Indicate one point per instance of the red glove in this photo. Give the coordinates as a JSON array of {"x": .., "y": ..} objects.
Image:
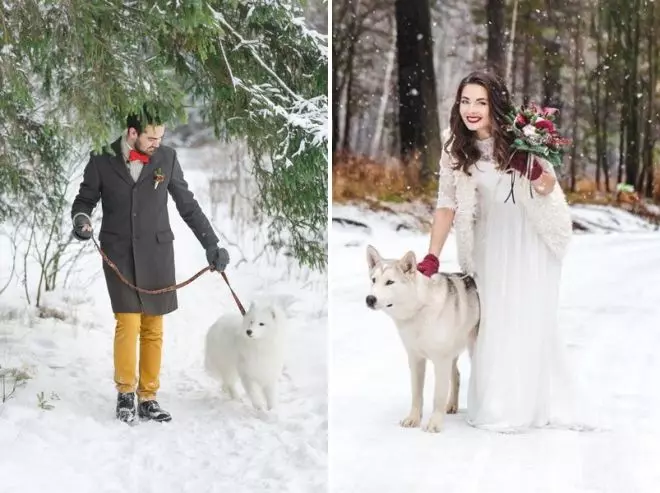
[
  {"x": 519, "y": 163},
  {"x": 429, "y": 265}
]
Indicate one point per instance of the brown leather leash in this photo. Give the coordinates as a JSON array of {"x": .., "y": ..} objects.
[{"x": 112, "y": 265}]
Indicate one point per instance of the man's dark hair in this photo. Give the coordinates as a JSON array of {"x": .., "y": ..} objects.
[{"x": 148, "y": 116}]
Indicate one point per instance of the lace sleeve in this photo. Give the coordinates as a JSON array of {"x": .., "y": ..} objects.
[{"x": 446, "y": 186}]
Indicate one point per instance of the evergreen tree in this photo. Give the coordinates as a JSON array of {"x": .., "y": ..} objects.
[{"x": 71, "y": 72}]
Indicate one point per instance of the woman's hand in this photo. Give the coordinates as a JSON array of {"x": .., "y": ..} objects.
[
  {"x": 429, "y": 265},
  {"x": 544, "y": 184},
  {"x": 542, "y": 181},
  {"x": 518, "y": 162}
]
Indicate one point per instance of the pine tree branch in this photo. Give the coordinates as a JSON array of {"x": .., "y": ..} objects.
[
  {"x": 231, "y": 75},
  {"x": 219, "y": 17}
]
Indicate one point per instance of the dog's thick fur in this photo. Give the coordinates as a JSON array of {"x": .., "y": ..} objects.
[
  {"x": 249, "y": 348},
  {"x": 437, "y": 318}
]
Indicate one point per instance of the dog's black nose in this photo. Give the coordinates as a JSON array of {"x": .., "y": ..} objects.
[
  {"x": 249, "y": 332},
  {"x": 371, "y": 301}
]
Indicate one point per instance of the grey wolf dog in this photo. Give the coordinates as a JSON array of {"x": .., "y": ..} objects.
[
  {"x": 437, "y": 318},
  {"x": 250, "y": 349}
]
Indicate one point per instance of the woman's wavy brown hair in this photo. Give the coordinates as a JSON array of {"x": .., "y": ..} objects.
[{"x": 461, "y": 143}]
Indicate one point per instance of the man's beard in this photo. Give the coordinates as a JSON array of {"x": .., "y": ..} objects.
[{"x": 143, "y": 151}]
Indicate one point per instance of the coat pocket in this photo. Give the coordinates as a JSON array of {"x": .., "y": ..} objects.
[
  {"x": 111, "y": 237},
  {"x": 165, "y": 236}
]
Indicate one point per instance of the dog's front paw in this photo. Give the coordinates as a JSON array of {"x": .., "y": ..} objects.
[
  {"x": 413, "y": 420},
  {"x": 452, "y": 408},
  {"x": 231, "y": 391},
  {"x": 271, "y": 397},
  {"x": 259, "y": 405},
  {"x": 435, "y": 423}
]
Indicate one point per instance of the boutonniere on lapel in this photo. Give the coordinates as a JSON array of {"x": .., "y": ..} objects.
[{"x": 159, "y": 177}]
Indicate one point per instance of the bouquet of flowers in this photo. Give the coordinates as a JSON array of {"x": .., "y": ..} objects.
[{"x": 534, "y": 132}]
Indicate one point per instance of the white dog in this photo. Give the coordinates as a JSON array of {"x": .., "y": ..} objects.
[
  {"x": 437, "y": 318},
  {"x": 249, "y": 348}
]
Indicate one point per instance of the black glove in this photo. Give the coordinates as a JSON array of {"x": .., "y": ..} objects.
[
  {"x": 218, "y": 257},
  {"x": 82, "y": 228}
]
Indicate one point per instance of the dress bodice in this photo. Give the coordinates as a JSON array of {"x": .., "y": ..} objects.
[
  {"x": 486, "y": 146},
  {"x": 486, "y": 173}
]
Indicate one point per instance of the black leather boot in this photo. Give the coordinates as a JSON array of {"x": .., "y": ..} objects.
[
  {"x": 126, "y": 407},
  {"x": 152, "y": 410}
]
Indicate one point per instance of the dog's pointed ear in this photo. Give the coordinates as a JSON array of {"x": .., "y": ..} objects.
[
  {"x": 373, "y": 257},
  {"x": 409, "y": 263}
]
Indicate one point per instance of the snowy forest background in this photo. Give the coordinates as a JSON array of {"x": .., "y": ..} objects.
[
  {"x": 396, "y": 67},
  {"x": 598, "y": 61},
  {"x": 243, "y": 88},
  {"x": 247, "y": 80}
]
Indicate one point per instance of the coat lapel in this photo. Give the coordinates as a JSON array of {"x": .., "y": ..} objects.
[
  {"x": 118, "y": 161},
  {"x": 148, "y": 170}
]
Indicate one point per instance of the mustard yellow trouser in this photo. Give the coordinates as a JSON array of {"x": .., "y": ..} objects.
[{"x": 150, "y": 330}]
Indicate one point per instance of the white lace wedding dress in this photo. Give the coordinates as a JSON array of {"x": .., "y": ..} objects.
[{"x": 518, "y": 377}]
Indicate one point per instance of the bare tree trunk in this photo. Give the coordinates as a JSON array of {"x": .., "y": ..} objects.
[
  {"x": 514, "y": 72},
  {"x": 622, "y": 136},
  {"x": 384, "y": 98},
  {"x": 625, "y": 101},
  {"x": 527, "y": 57},
  {"x": 552, "y": 72},
  {"x": 339, "y": 38},
  {"x": 576, "y": 101},
  {"x": 649, "y": 140},
  {"x": 26, "y": 284},
  {"x": 353, "y": 40},
  {"x": 418, "y": 107},
  {"x": 495, "y": 48},
  {"x": 604, "y": 144},
  {"x": 336, "y": 95},
  {"x": 603, "y": 158},
  {"x": 509, "y": 62},
  {"x": 551, "y": 78},
  {"x": 360, "y": 136},
  {"x": 348, "y": 105},
  {"x": 632, "y": 154},
  {"x": 601, "y": 133},
  {"x": 656, "y": 79}
]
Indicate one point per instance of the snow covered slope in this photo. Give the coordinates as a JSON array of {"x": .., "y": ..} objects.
[
  {"x": 211, "y": 445},
  {"x": 609, "y": 312}
]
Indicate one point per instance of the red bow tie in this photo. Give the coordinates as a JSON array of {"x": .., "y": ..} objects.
[{"x": 138, "y": 156}]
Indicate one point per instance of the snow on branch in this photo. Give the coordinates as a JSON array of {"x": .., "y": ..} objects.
[{"x": 277, "y": 98}]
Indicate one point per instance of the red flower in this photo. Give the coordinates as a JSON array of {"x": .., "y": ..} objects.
[
  {"x": 545, "y": 125},
  {"x": 520, "y": 121}
]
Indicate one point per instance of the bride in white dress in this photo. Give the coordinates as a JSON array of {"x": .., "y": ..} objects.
[
  {"x": 517, "y": 373},
  {"x": 518, "y": 377}
]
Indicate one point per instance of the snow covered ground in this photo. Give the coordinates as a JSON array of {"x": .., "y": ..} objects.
[
  {"x": 212, "y": 444},
  {"x": 609, "y": 317}
]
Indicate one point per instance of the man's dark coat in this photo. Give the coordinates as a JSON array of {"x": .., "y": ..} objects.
[{"x": 135, "y": 231}]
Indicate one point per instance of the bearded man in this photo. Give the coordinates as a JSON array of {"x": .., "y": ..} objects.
[{"x": 132, "y": 178}]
